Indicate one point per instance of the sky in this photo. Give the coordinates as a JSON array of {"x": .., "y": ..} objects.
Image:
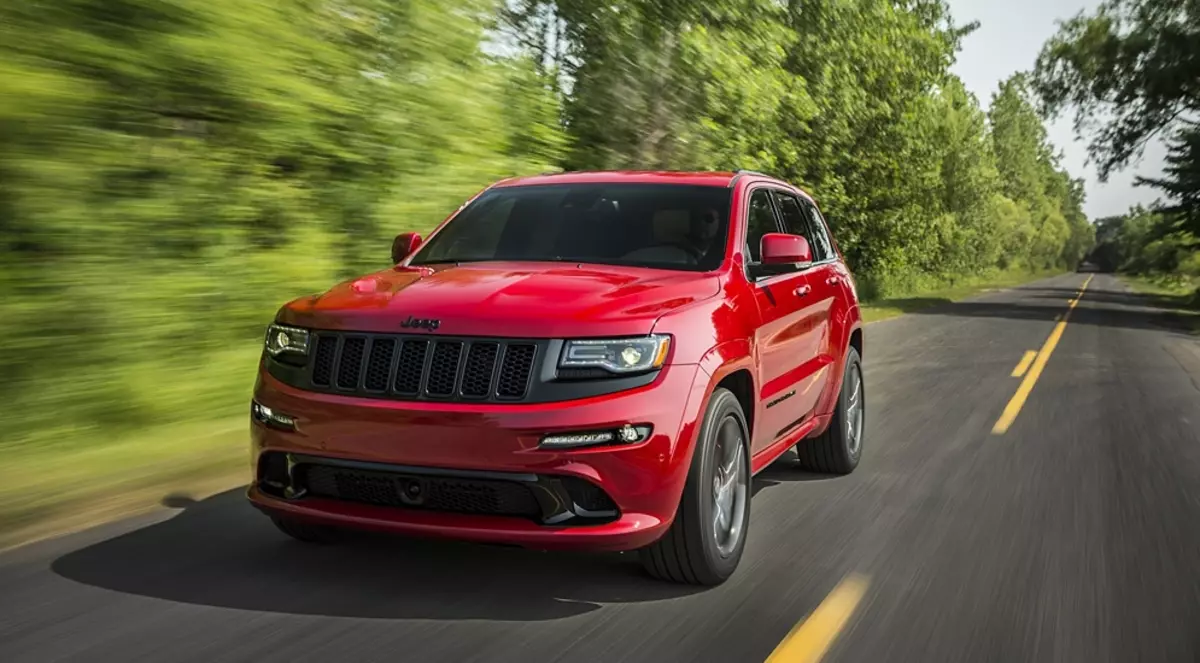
[{"x": 1010, "y": 35}]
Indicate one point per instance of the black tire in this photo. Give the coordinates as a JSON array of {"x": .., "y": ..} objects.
[
  {"x": 832, "y": 452},
  {"x": 690, "y": 551},
  {"x": 307, "y": 532}
]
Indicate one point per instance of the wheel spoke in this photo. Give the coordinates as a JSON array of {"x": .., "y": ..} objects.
[
  {"x": 854, "y": 411},
  {"x": 732, "y": 470},
  {"x": 720, "y": 522},
  {"x": 729, "y": 484}
]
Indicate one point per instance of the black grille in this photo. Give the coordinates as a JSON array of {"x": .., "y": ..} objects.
[
  {"x": 515, "y": 371},
  {"x": 323, "y": 360},
  {"x": 477, "y": 374},
  {"x": 474, "y": 496},
  {"x": 412, "y": 364},
  {"x": 408, "y": 368},
  {"x": 588, "y": 495},
  {"x": 351, "y": 364},
  {"x": 443, "y": 368},
  {"x": 379, "y": 364}
]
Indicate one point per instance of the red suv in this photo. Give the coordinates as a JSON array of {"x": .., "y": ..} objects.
[{"x": 578, "y": 360}]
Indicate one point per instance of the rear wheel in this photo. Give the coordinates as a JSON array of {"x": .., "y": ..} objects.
[
  {"x": 306, "y": 532},
  {"x": 838, "y": 449},
  {"x": 705, "y": 543}
]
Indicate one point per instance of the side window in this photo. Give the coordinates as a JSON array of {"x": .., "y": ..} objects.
[
  {"x": 760, "y": 220},
  {"x": 820, "y": 233},
  {"x": 794, "y": 221}
]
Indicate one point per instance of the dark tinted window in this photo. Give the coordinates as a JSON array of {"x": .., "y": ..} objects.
[
  {"x": 667, "y": 226},
  {"x": 822, "y": 246},
  {"x": 760, "y": 220},
  {"x": 794, "y": 220}
]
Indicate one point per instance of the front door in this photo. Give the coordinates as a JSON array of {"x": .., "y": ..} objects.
[
  {"x": 781, "y": 295},
  {"x": 813, "y": 347}
]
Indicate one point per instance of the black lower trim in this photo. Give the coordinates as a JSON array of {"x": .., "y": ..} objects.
[
  {"x": 302, "y": 459},
  {"x": 546, "y": 499}
]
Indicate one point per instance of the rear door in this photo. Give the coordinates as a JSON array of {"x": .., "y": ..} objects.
[
  {"x": 813, "y": 356},
  {"x": 780, "y": 293},
  {"x": 833, "y": 273}
]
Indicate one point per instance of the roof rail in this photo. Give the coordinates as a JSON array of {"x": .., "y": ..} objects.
[{"x": 737, "y": 175}]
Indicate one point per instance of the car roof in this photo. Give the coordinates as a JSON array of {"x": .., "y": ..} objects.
[{"x": 694, "y": 178}]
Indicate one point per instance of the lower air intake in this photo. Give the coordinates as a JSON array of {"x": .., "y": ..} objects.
[{"x": 447, "y": 494}]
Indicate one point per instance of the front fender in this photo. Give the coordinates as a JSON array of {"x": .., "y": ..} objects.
[{"x": 718, "y": 363}]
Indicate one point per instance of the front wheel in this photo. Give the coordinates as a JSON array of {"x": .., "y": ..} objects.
[
  {"x": 705, "y": 543},
  {"x": 838, "y": 449}
]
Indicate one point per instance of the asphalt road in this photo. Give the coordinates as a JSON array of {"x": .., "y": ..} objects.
[{"x": 1073, "y": 536}]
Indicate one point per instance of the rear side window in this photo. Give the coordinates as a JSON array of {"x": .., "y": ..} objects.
[
  {"x": 820, "y": 234},
  {"x": 794, "y": 220},
  {"x": 760, "y": 220}
]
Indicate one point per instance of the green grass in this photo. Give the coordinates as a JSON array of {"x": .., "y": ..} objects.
[
  {"x": 890, "y": 307},
  {"x": 50, "y": 490},
  {"x": 1176, "y": 293}
]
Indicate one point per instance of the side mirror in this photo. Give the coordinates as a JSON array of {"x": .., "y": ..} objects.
[
  {"x": 404, "y": 245},
  {"x": 782, "y": 248}
]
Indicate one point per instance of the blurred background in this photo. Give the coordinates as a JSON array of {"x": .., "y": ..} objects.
[{"x": 172, "y": 171}]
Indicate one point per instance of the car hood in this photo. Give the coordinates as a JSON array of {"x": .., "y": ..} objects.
[{"x": 520, "y": 300}]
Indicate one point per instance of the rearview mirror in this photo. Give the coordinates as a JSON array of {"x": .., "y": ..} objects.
[
  {"x": 404, "y": 245},
  {"x": 782, "y": 248}
]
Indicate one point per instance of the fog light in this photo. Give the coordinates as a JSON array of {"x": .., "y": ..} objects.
[
  {"x": 269, "y": 417},
  {"x": 627, "y": 434}
]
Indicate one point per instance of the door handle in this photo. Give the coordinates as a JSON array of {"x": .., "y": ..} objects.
[
  {"x": 833, "y": 280},
  {"x": 803, "y": 290}
]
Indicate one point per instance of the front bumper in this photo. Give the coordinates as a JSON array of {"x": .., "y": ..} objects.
[{"x": 363, "y": 444}]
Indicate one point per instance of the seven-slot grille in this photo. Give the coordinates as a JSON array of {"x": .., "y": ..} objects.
[{"x": 410, "y": 368}]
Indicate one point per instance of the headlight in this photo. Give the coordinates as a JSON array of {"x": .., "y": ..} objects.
[
  {"x": 281, "y": 339},
  {"x": 618, "y": 355}
]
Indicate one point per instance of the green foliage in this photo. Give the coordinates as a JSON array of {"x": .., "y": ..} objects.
[
  {"x": 1052, "y": 228},
  {"x": 1149, "y": 243},
  {"x": 172, "y": 170},
  {"x": 1136, "y": 62}
]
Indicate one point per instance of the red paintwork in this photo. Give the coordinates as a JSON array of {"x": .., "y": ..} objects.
[
  {"x": 779, "y": 248},
  {"x": 790, "y": 333},
  {"x": 404, "y": 245}
]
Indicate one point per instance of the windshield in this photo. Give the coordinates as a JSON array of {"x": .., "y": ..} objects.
[{"x": 667, "y": 226}]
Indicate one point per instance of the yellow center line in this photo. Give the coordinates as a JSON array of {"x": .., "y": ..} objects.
[
  {"x": 812, "y": 637},
  {"x": 1023, "y": 366},
  {"x": 1035, "y": 371}
]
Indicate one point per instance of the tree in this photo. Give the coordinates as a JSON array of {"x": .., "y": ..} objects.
[{"x": 1135, "y": 60}]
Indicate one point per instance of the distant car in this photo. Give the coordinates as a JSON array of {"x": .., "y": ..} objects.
[{"x": 580, "y": 360}]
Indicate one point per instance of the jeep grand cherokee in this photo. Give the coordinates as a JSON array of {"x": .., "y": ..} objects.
[{"x": 578, "y": 360}]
